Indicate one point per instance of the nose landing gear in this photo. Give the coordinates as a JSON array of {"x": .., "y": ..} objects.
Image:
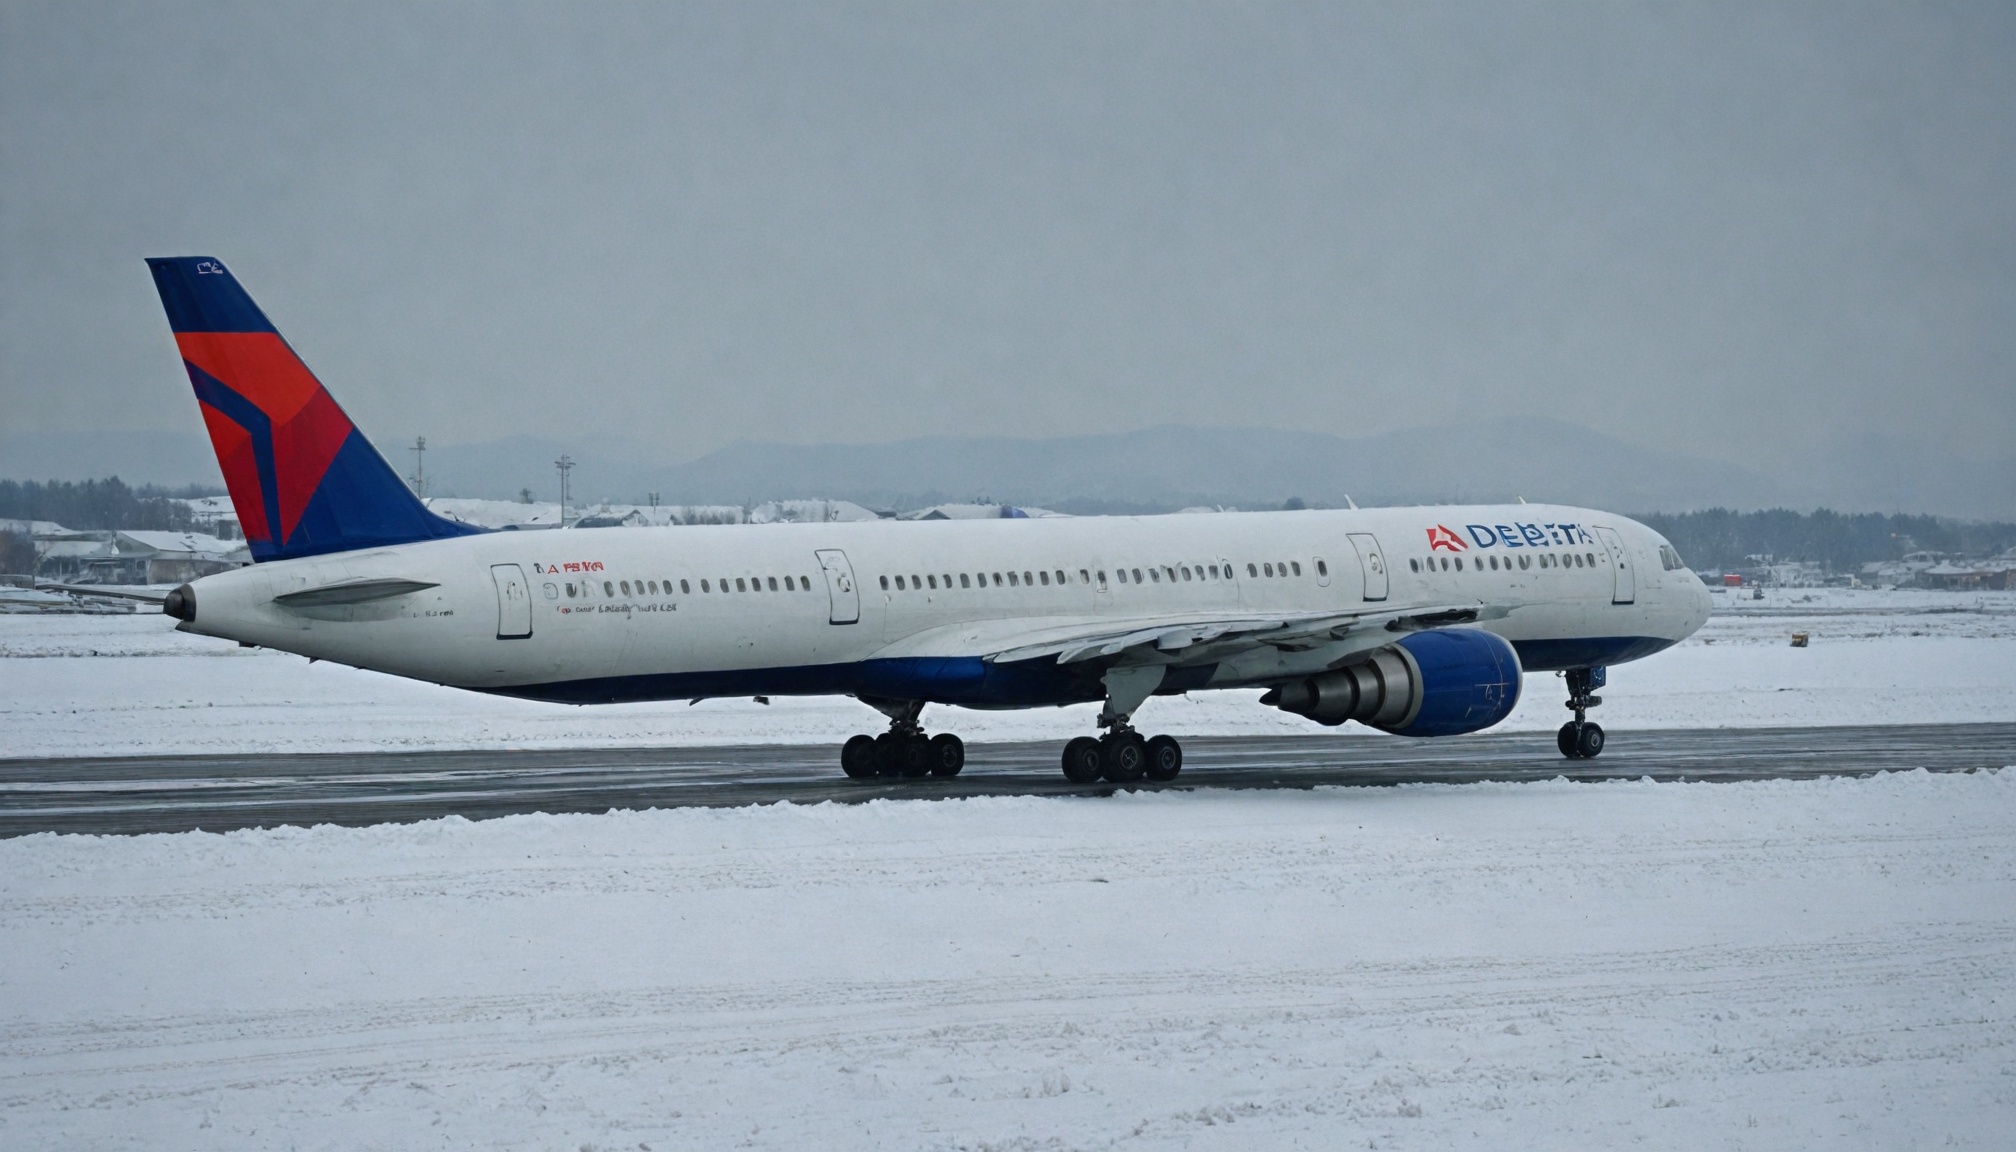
[{"x": 1582, "y": 738}]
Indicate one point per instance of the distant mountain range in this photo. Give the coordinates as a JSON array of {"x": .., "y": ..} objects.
[{"x": 1154, "y": 469}]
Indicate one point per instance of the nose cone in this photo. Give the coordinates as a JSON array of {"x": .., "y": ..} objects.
[{"x": 1701, "y": 605}]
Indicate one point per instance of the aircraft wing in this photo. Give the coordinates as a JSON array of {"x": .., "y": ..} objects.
[
  {"x": 111, "y": 593},
  {"x": 1175, "y": 639}
]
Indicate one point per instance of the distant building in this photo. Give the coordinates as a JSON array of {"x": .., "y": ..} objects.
[
  {"x": 216, "y": 516},
  {"x": 70, "y": 556}
]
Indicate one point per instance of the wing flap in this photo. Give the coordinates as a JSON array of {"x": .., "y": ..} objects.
[{"x": 1175, "y": 639}]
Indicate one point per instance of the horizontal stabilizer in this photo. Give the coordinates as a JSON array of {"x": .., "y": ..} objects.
[{"x": 352, "y": 592}]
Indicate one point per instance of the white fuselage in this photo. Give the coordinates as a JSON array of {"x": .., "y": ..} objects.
[{"x": 618, "y": 614}]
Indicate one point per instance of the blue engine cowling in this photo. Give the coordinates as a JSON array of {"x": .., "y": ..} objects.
[
  {"x": 1469, "y": 680},
  {"x": 1440, "y": 683}
]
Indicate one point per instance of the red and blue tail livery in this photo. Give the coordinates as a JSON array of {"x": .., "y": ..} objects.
[{"x": 303, "y": 479}]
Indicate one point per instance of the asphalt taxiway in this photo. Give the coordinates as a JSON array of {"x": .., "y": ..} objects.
[{"x": 139, "y": 794}]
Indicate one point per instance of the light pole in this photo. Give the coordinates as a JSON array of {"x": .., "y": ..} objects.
[
  {"x": 420, "y": 466},
  {"x": 565, "y": 464}
]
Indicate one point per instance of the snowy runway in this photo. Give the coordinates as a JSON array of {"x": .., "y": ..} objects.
[{"x": 1820, "y": 963}]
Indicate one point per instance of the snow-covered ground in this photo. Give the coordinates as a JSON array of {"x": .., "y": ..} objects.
[
  {"x": 73, "y": 685},
  {"x": 1819, "y": 964},
  {"x": 1823, "y": 964}
]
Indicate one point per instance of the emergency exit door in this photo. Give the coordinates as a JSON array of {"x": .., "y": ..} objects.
[
  {"x": 514, "y": 602},
  {"x": 1373, "y": 561},
  {"x": 841, "y": 594}
]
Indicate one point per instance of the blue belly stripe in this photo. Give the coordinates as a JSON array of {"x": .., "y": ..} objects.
[{"x": 976, "y": 683}]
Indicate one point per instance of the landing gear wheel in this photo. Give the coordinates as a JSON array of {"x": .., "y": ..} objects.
[
  {"x": 1589, "y": 741},
  {"x": 888, "y": 754},
  {"x": 914, "y": 755},
  {"x": 1126, "y": 758},
  {"x": 857, "y": 757},
  {"x": 948, "y": 754},
  {"x": 1083, "y": 760},
  {"x": 1165, "y": 758},
  {"x": 1565, "y": 740}
]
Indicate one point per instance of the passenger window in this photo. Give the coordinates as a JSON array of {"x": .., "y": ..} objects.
[
  {"x": 684, "y": 587},
  {"x": 1102, "y": 579},
  {"x": 608, "y": 589},
  {"x": 932, "y": 581},
  {"x": 1322, "y": 569},
  {"x": 1013, "y": 581},
  {"x": 1085, "y": 575},
  {"x": 1028, "y": 579},
  {"x": 1121, "y": 573},
  {"x": 899, "y": 584},
  {"x": 1270, "y": 569},
  {"x": 1297, "y": 565},
  {"x": 1155, "y": 574},
  {"x": 965, "y": 581},
  {"x": 1184, "y": 571},
  {"x": 1414, "y": 564},
  {"x": 1459, "y": 563},
  {"x": 1060, "y": 576},
  {"x": 1046, "y": 578},
  {"x": 997, "y": 580},
  {"x": 772, "y": 580},
  {"x": 625, "y": 585},
  {"x": 885, "y": 583},
  {"x": 740, "y": 584}
]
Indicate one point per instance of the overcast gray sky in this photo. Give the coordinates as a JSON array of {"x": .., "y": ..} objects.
[{"x": 1722, "y": 227}]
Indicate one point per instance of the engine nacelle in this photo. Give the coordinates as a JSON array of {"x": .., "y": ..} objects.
[{"x": 1443, "y": 682}]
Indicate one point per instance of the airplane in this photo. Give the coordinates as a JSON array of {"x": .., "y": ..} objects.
[{"x": 1416, "y": 621}]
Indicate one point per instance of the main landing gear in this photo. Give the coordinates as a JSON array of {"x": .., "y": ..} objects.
[
  {"x": 1582, "y": 738},
  {"x": 1122, "y": 756},
  {"x": 904, "y": 750}
]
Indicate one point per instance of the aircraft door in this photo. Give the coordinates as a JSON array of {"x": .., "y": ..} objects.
[
  {"x": 1626, "y": 591},
  {"x": 841, "y": 593},
  {"x": 1373, "y": 561},
  {"x": 514, "y": 602}
]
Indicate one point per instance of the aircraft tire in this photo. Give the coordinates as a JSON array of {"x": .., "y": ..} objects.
[
  {"x": 1126, "y": 758},
  {"x": 888, "y": 754},
  {"x": 914, "y": 756},
  {"x": 857, "y": 757},
  {"x": 1589, "y": 741},
  {"x": 1083, "y": 760},
  {"x": 948, "y": 754},
  {"x": 1165, "y": 758},
  {"x": 1565, "y": 740}
]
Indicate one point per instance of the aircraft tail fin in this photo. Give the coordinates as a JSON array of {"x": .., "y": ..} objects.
[{"x": 302, "y": 477}]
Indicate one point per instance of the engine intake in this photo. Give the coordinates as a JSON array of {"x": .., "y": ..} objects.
[{"x": 1442, "y": 682}]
